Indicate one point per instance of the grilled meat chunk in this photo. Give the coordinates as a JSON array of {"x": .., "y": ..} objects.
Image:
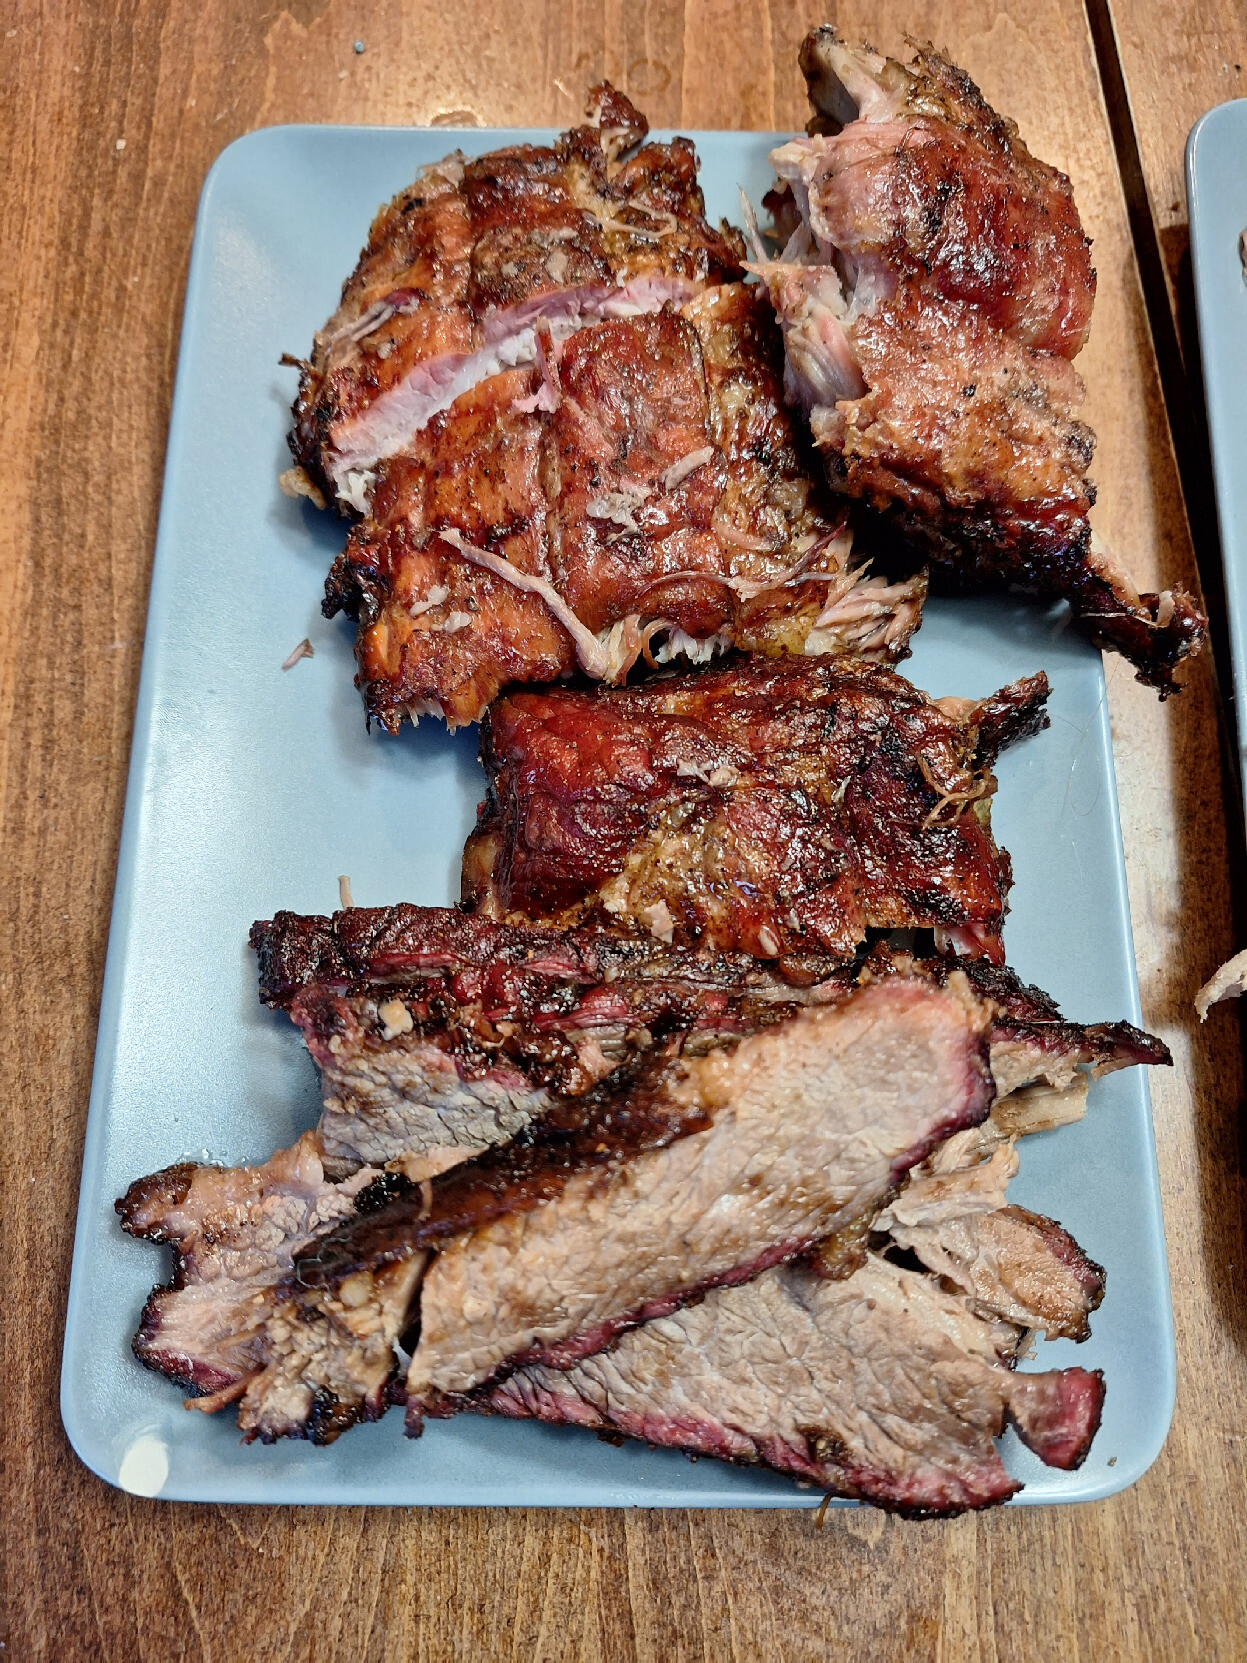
[
  {"x": 234, "y": 1235},
  {"x": 647, "y": 496},
  {"x": 852, "y": 1373},
  {"x": 439, "y": 1034},
  {"x": 462, "y": 268},
  {"x": 934, "y": 286},
  {"x": 678, "y": 1174},
  {"x": 878, "y": 1386},
  {"x": 561, "y": 419},
  {"x": 224, "y": 1326},
  {"x": 1012, "y": 1264},
  {"x": 769, "y": 806}
]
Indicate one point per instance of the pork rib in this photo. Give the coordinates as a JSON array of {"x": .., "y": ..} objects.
[
  {"x": 561, "y": 419},
  {"x": 767, "y": 806},
  {"x": 934, "y": 287},
  {"x": 462, "y": 268}
]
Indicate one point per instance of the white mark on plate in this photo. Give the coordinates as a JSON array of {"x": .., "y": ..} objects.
[{"x": 144, "y": 1466}]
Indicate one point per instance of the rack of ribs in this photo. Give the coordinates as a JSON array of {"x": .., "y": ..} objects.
[
  {"x": 765, "y": 805},
  {"x": 934, "y": 286},
  {"x": 558, "y": 415}
]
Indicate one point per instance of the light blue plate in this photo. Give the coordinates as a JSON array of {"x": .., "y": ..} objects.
[
  {"x": 1216, "y": 189},
  {"x": 251, "y": 790}
]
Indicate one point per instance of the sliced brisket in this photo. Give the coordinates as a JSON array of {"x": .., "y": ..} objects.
[
  {"x": 439, "y": 1034},
  {"x": 878, "y": 1386},
  {"x": 675, "y": 1175},
  {"x": 1011, "y": 1263},
  {"x": 234, "y": 1234}
]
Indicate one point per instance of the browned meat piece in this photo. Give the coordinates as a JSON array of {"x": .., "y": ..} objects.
[
  {"x": 878, "y": 1386},
  {"x": 677, "y": 1175},
  {"x": 857, "y": 1375},
  {"x": 1030, "y": 1039},
  {"x": 234, "y": 1235},
  {"x": 934, "y": 286},
  {"x": 561, "y": 420},
  {"x": 765, "y": 806},
  {"x": 648, "y": 495},
  {"x": 439, "y": 1034},
  {"x": 1012, "y": 1264},
  {"x": 461, "y": 268}
]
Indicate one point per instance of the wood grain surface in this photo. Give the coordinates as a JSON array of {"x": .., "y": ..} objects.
[
  {"x": 110, "y": 113},
  {"x": 1179, "y": 58}
]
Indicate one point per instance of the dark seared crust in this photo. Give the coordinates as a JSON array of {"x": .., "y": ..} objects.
[
  {"x": 768, "y": 806},
  {"x": 1016, "y": 712},
  {"x": 375, "y": 946},
  {"x": 142, "y": 1208},
  {"x": 971, "y": 559},
  {"x": 1025, "y": 1011},
  {"x": 453, "y": 969}
]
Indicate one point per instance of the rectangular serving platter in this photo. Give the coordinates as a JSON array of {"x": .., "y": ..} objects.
[
  {"x": 251, "y": 789},
  {"x": 1216, "y": 188}
]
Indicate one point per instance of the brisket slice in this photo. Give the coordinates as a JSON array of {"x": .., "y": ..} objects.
[
  {"x": 439, "y": 1034},
  {"x": 676, "y": 1175},
  {"x": 764, "y": 806},
  {"x": 807, "y": 1126},
  {"x": 934, "y": 286},
  {"x": 879, "y": 1386},
  {"x": 853, "y": 1373},
  {"x": 234, "y": 1234},
  {"x": 1031, "y": 1040},
  {"x": 1011, "y": 1264}
]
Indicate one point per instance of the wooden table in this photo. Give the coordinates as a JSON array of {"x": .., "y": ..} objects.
[{"x": 111, "y": 113}]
